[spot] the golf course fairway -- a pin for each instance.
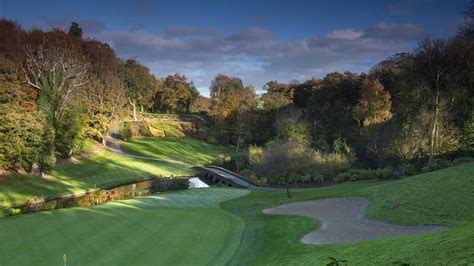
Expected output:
(186, 227)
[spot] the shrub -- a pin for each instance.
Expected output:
(366, 174)
(144, 129)
(431, 166)
(212, 140)
(305, 178)
(255, 154)
(386, 173)
(135, 129)
(342, 177)
(461, 160)
(318, 178)
(160, 184)
(281, 159)
(125, 131)
(9, 212)
(407, 169)
(36, 204)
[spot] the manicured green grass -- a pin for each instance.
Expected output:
(181, 228)
(444, 197)
(190, 150)
(99, 170)
(189, 227)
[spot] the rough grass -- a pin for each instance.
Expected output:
(99, 170)
(180, 228)
(442, 197)
(171, 129)
(190, 150)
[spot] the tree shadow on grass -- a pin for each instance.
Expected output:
(105, 168)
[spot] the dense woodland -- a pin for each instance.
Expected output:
(59, 90)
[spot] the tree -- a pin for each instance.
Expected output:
(56, 73)
(374, 106)
(140, 85)
(469, 132)
(468, 28)
(102, 101)
(291, 125)
(432, 66)
(287, 160)
(275, 99)
(175, 94)
(21, 126)
(232, 106)
(75, 30)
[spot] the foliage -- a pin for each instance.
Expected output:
(336, 262)
(469, 131)
(75, 30)
(290, 125)
(7, 212)
(161, 184)
(374, 106)
(232, 106)
(130, 130)
(37, 203)
(69, 133)
(366, 174)
(139, 83)
(288, 161)
(407, 169)
(175, 94)
(255, 154)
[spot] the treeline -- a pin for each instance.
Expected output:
(58, 89)
(412, 107)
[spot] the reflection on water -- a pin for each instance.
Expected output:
(236, 164)
(98, 197)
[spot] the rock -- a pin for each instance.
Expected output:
(36, 170)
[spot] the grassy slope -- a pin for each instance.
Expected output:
(180, 228)
(190, 150)
(171, 129)
(441, 197)
(99, 170)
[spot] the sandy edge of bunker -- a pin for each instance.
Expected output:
(343, 220)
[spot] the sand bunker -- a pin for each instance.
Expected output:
(343, 221)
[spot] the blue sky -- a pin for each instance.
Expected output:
(257, 41)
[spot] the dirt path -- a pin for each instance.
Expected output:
(343, 221)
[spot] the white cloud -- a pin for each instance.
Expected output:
(257, 56)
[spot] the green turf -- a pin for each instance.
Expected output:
(190, 150)
(181, 228)
(171, 129)
(99, 170)
(188, 227)
(444, 197)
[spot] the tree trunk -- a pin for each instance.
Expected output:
(238, 144)
(134, 108)
(434, 128)
(288, 194)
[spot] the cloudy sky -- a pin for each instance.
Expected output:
(258, 41)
